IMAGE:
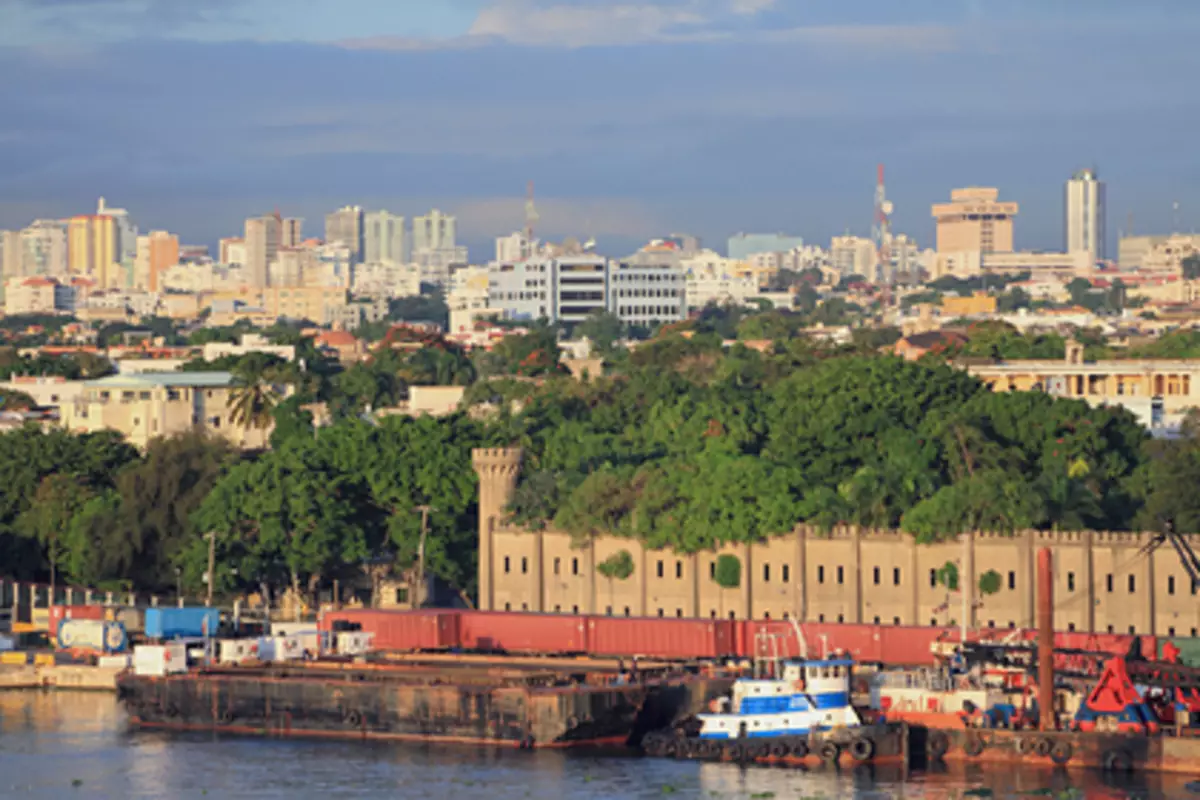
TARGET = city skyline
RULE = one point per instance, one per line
(709, 116)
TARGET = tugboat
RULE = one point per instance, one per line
(792, 711)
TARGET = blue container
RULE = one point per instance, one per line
(182, 623)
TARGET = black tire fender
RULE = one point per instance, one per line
(938, 744)
(862, 749)
(1044, 747)
(1118, 761)
(800, 750)
(829, 752)
(1026, 745)
(1061, 753)
(780, 749)
(973, 746)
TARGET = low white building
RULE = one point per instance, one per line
(38, 295)
(388, 279)
(468, 298)
(250, 343)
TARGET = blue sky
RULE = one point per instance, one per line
(633, 117)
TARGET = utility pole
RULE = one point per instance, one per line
(420, 587)
(212, 557)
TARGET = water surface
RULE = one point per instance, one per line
(70, 745)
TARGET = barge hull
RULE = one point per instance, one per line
(366, 707)
(1116, 752)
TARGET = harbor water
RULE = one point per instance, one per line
(76, 745)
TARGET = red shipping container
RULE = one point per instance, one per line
(677, 639)
(401, 630)
(60, 613)
(515, 632)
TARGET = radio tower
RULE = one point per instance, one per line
(882, 233)
(531, 217)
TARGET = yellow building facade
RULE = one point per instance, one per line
(1104, 582)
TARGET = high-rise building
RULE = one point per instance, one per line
(12, 261)
(291, 232)
(44, 248)
(156, 253)
(384, 239)
(434, 231)
(262, 243)
(1084, 220)
(92, 248)
(345, 226)
(125, 231)
(853, 255)
(975, 221)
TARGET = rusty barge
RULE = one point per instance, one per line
(469, 702)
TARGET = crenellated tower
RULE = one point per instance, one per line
(498, 469)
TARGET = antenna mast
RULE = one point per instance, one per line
(531, 217)
(882, 232)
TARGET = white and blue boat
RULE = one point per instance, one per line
(807, 697)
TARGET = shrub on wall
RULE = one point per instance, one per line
(618, 565)
(729, 572)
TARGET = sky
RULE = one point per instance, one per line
(634, 118)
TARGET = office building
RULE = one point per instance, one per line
(345, 226)
(1084, 222)
(291, 232)
(262, 244)
(384, 240)
(569, 288)
(744, 245)
(975, 221)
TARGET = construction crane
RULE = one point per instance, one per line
(1187, 556)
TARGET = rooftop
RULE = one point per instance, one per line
(149, 380)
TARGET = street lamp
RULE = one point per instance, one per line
(179, 586)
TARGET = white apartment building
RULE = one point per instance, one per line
(569, 288)
(384, 238)
(37, 295)
(389, 279)
(514, 247)
(853, 255)
(468, 298)
(142, 304)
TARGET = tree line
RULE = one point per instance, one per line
(685, 442)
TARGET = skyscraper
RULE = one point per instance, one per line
(345, 226)
(1084, 214)
(92, 248)
(44, 248)
(11, 258)
(262, 243)
(434, 231)
(125, 231)
(384, 240)
(291, 232)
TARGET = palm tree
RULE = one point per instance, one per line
(253, 397)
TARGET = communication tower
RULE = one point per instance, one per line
(882, 231)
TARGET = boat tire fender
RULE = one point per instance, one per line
(1044, 747)
(172, 710)
(226, 717)
(862, 749)
(937, 744)
(572, 721)
(1026, 745)
(353, 719)
(1118, 761)
(800, 749)
(973, 746)
(780, 749)
(1061, 753)
(829, 752)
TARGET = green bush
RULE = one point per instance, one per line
(729, 572)
(618, 565)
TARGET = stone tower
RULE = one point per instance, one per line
(497, 469)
